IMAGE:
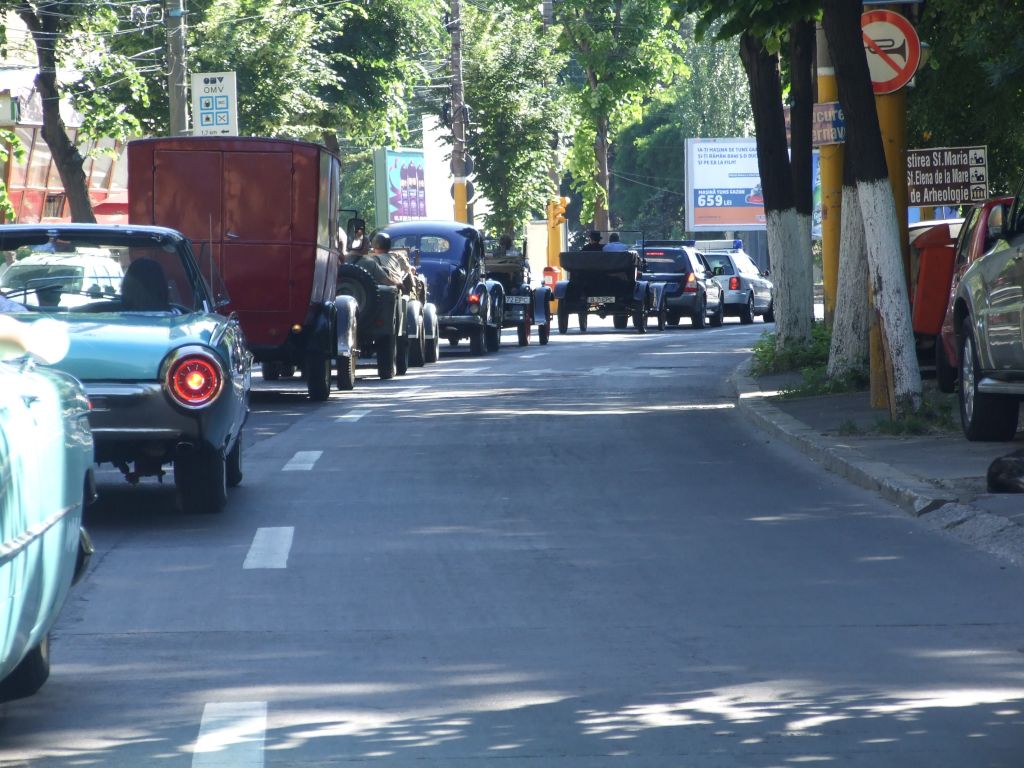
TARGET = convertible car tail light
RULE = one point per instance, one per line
(734, 283)
(194, 380)
(691, 284)
(474, 303)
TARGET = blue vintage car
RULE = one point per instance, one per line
(45, 479)
(450, 255)
(167, 376)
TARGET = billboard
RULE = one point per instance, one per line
(400, 187)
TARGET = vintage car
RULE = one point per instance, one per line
(46, 478)
(450, 256)
(608, 283)
(525, 306)
(167, 376)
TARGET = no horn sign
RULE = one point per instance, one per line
(893, 49)
(214, 104)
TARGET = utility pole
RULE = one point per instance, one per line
(458, 118)
(177, 89)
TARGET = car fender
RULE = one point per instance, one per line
(496, 293)
(322, 334)
(561, 287)
(640, 290)
(388, 312)
(347, 309)
(541, 299)
(413, 318)
(430, 324)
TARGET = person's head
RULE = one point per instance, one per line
(381, 242)
(613, 237)
(359, 232)
(595, 236)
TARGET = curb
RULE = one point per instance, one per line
(992, 533)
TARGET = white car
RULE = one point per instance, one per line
(747, 292)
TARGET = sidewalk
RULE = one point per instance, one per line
(940, 479)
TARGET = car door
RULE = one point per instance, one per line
(1000, 308)
(760, 286)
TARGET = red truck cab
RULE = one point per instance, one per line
(265, 212)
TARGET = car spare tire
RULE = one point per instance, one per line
(356, 282)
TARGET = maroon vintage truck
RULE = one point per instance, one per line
(264, 211)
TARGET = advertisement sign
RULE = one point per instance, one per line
(723, 185)
(400, 185)
(947, 175)
(214, 104)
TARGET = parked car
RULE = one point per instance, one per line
(748, 293)
(988, 322)
(525, 306)
(46, 478)
(690, 288)
(167, 376)
(450, 255)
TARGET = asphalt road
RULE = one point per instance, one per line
(575, 555)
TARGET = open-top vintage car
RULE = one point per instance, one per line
(525, 305)
(45, 481)
(168, 377)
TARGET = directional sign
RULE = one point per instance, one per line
(947, 175)
(893, 49)
(214, 104)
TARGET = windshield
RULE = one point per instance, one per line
(720, 260)
(432, 247)
(90, 274)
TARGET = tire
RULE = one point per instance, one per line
(432, 353)
(30, 674)
(271, 371)
(945, 374)
(417, 349)
(747, 311)
(492, 337)
(673, 318)
(769, 317)
(523, 332)
(984, 417)
(544, 333)
(640, 320)
(453, 341)
(476, 342)
(318, 377)
(719, 317)
(700, 314)
(201, 478)
(582, 319)
(356, 282)
(662, 317)
(234, 464)
(563, 320)
(387, 355)
(620, 322)
(346, 372)
(401, 355)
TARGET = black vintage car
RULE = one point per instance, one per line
(608, 283)
(525, 306)
(450, 256)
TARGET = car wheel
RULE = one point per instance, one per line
(433, 350)
(945, 374)
(271, 371)
(983, 416)
(453, 341)
(662, 318)
(417, 349)
(563, 320)
(318, 377)
(476, 342)
(582, 319)
(234, 463)
(620, 321)
(387, 354)
(700, 314)
(287, 371)
(346, 372)
(30, 674)
(747, 311)
(719, 317)
(523, 332)
(769, 317)
(492, 336)
(356, 282)
(201, 478)
(544, 332)
(673, 318)
(401, 355)
(640, 320)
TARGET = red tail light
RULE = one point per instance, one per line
(734, 283)
(691, 284)
(474, 298)
(195, 380)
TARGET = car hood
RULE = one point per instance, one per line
(129, 347)
(446, 283)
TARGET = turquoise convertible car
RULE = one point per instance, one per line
(45, 479)
(167, 376)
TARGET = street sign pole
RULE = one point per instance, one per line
(177, 88)
(831, 165)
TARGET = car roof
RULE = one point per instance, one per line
(56, 230)
(431, 227)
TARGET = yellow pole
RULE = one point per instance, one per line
(831, 165)
(461, 201)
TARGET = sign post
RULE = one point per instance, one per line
(214, 104)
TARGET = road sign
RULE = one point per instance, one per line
(947, 175)
(828, 124)
(893, 49)
(214, 104)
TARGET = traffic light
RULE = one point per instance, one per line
(556, 211)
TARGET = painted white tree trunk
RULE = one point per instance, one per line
(849, 350)
(789, 243)
(889, 290)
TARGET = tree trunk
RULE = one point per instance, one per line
(801, 260)
(601, 218)
(66, 157)
(848, 353)
(878, 211)
(784, 227)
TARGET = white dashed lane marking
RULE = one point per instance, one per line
(533, 354)
(352, 416)
(302, 460)
(270, 548)
(231, 735)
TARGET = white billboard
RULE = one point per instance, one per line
(723, 185)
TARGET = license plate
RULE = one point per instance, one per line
(601, 299)
(517, 299)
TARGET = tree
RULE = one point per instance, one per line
(874, 195)
(625, 51)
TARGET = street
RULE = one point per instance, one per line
(569, 555)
